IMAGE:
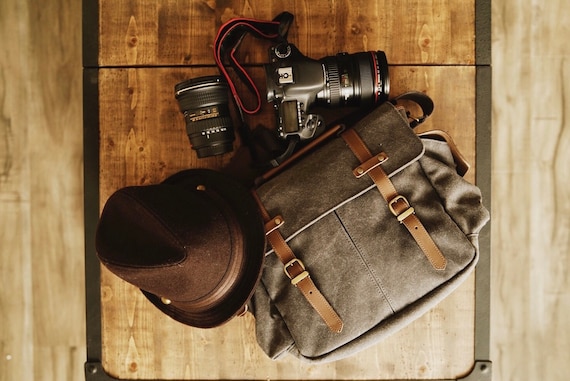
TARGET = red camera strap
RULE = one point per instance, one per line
(227, 41)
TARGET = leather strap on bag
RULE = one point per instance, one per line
(296, 271)
(398, 204)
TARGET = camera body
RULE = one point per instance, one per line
(296, 83)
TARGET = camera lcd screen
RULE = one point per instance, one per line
(289, 115)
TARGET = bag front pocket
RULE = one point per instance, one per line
(342, 275)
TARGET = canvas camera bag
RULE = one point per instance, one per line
(366, 234)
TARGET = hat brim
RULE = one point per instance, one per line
(243, 206)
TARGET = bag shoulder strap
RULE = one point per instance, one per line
(296, 271)
(398, 204)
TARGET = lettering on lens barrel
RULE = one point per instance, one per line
(295, 83)
(205, 104)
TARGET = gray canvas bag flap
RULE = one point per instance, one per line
(361, 258)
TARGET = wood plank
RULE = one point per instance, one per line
(42, 333)
(181, 32)
(143, 141)
(531, 201)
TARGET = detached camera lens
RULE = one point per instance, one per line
(205, 104)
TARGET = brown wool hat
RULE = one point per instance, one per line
(193, 244)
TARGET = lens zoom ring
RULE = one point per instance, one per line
(200, 99)
(368, 86)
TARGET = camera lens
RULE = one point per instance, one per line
(205, 105)
(359, 79)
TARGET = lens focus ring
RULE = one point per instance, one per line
(334, 84)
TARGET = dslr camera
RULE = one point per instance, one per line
(296, 83)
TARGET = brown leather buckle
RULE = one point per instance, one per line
(299, 277)
(401, 216)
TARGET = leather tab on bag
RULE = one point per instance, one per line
(273, 223)
(398, 204)
(370, 164)
(296, 271)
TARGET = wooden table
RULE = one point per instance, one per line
(135, 51)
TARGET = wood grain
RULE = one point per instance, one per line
(531, 197)
(181, 32)
(41, 263)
